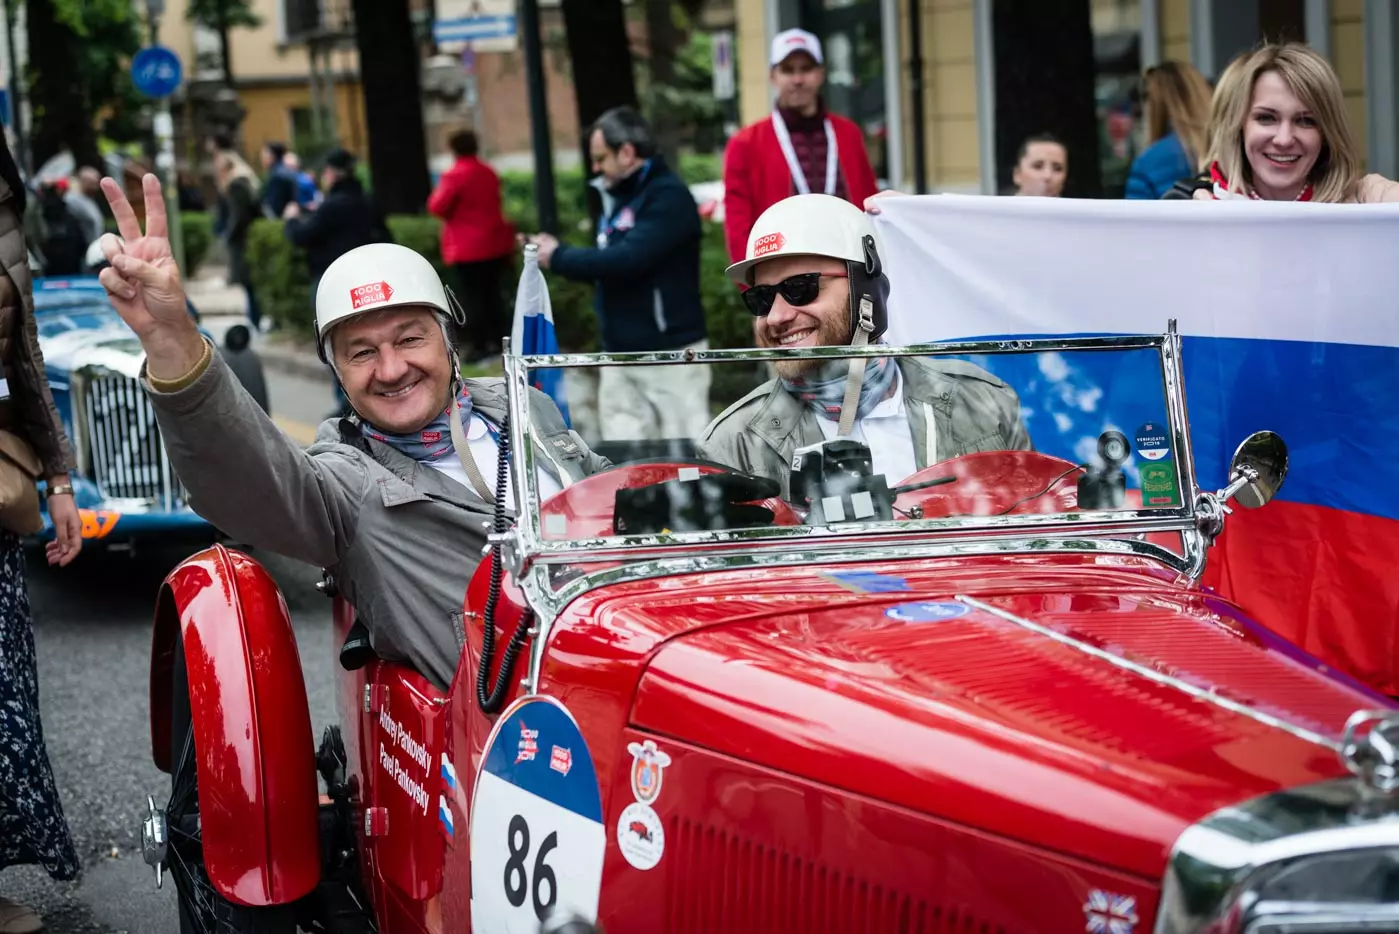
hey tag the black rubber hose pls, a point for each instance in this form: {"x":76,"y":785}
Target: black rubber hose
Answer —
{"x":490,"y":700}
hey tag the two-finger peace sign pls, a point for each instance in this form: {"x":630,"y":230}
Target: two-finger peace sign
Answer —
{"x":143,"y":280}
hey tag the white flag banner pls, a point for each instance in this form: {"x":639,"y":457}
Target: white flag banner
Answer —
{"x":1291,"y":323}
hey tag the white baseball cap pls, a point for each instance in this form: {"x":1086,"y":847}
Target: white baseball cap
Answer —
{"x":794,"y":40}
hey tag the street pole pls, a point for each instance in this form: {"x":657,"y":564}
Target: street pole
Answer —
{"x":164,"y":126}
{"x":539,"y":118}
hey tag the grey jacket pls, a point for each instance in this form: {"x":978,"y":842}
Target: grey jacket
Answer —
{"x":971,"y":409}
{"x":401,"y":538}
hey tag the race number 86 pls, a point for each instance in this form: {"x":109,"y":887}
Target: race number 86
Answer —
{"x":517,"y":883}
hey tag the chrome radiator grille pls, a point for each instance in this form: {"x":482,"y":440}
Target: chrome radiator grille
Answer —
{"x":118,"y":442}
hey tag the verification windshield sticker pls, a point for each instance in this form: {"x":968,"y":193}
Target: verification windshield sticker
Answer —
{"x":1153,"y":443}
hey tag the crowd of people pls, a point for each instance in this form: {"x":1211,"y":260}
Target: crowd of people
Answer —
{"x":798,"y":194}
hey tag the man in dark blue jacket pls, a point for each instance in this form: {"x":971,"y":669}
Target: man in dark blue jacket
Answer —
{"x":345,"y":219}
{"x":645,"y":271}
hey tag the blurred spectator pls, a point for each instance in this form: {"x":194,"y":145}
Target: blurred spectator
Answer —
{"x":279,"y":190}
{"x":477,"y":242}
{"x":1177,"y":101}
{"x":191,"y":198}
{"x":54,"y":232}
{"x":1041,"y":167}
{"x":799,"y":149}
{"x":307,"y":194}
{"x":645,"y":271}
{"x":85,"y":210}
{"x":237,"y":184}
{"x":345,"y":219}
{"x":214,"y":144}
{"x":31,"y":814}
{"x":90,"y":182}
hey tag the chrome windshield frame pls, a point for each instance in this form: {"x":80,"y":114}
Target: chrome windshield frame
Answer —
{"x":527,"y":555}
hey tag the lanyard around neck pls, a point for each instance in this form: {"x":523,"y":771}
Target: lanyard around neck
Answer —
{"x":784,"y":139}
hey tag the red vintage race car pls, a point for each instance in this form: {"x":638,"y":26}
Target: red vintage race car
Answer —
{"x":991,"y":696}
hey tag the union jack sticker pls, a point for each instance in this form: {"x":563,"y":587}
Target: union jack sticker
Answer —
{"x":1110,"y":914}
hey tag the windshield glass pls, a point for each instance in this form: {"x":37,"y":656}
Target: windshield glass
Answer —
{"x":754,"y":446}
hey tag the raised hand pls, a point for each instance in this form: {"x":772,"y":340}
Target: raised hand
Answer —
{"x":143,"y":280}
{"x":144,"y":283}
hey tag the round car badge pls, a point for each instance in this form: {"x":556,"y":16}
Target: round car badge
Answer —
{"x":647,"y":769}
{"x":537,"y":836}
{"x":1153,"y":442}
{"x":927,"y":612}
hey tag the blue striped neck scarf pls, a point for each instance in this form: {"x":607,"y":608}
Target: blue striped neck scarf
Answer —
{"x":824,"y":392}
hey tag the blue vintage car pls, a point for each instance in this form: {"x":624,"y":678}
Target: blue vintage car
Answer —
{"x":126,"y":491}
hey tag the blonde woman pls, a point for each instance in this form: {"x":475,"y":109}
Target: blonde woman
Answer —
{"x":1279,"y":132}
{"x":238,"y":185}
{"x":1177,"y":118}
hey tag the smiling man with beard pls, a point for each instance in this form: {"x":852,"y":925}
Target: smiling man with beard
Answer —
{"x":815,"y":280}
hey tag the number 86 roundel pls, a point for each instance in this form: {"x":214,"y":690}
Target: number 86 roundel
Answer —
{"x":537,"y":837}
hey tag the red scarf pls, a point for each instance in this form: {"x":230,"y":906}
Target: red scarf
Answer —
{"x":1221,"y":187}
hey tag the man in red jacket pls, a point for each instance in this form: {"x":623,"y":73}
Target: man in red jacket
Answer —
{"x":800,"y":149}
{"x":477,"y":242}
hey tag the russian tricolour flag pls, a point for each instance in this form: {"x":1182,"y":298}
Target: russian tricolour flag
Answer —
{"x":533,"y":332}
{"x":1291,"y":324}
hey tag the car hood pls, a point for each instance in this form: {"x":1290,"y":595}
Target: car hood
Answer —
{"x":1085,"y":715}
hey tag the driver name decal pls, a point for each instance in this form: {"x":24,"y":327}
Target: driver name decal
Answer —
{"x":414,"y":749}
{"x":411,"y":787}
{"x":414,"y":752}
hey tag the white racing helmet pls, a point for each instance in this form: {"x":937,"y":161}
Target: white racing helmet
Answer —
{"x":376,"y":277}
{"x":824,"y":225}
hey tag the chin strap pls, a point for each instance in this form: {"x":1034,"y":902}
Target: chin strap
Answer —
{"x":468,"y":463}
{"x":851,"y":406}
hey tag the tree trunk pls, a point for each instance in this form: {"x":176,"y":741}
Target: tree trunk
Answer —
{"x":391,"y":77}
{"x":663,"y":39}
{"x":62,"y":116}
{"x":225,"y":54}
{"x":602,"y":66}
{"x":1045,"y":79}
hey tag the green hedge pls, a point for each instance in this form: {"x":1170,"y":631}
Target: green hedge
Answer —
{"x":197,"y":227}
{"x":280,"y":278}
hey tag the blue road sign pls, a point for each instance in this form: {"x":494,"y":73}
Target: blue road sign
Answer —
{"x":156,"y":71}
{"x":467,"y":28}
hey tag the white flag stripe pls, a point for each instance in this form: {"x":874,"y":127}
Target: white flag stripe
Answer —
{"x":967,"y":265}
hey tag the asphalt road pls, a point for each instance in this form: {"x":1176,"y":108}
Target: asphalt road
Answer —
{"x":92,"y":624}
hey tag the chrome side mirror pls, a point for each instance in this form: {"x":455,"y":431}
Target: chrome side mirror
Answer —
{"x":1255,"y":476}
{"x":1257,"y":471}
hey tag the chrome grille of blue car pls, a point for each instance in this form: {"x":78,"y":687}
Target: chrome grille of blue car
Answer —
{"x":118,"y":441}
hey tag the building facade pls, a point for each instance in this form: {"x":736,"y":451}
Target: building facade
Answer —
{"x":276,"y":88}
{"x":921,"y":75}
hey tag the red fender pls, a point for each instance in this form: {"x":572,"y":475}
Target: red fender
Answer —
{"x":258,"y":797}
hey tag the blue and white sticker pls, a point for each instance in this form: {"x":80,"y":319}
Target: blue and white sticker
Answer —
{"x":537,"y":837}
{"x":1153,"y":441}
{"x":445,"y":819}
{"x":930,"y":611}
{"x":867,"y":581}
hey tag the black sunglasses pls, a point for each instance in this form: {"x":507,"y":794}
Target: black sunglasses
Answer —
{"x":797,"y":290}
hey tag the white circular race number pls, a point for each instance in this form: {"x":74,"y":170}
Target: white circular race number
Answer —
{"x":537,"y":838}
